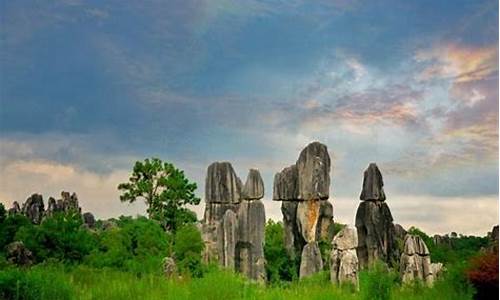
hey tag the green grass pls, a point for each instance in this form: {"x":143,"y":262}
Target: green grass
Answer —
{"x":82,"y":282}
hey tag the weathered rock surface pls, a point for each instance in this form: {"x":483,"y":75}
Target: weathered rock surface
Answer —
{"x":250,"y":246}
{"x":376,"y":236}
{"x":313,"y":167}
{"x":344,"y":264}
{"x":325,"y":221}
{"x":228,"y":239}
{"x":307,"y":219}
{"x":169,"y":267}
{"x":285,"y":187}
{"x":88,"y":220}
{"x":415,"y":262}
{"x":373,"y":184}
{"x":15,"y":209}
{"x":33,"y":208}
{"x":254,"y":186}
{"x":214,"y":212}
{"x":69,"y":202}
{"x":294,"y":242}
{"x":222,"y":185}
{"x":400,"y":232}
{"x":311,"y":261}
{"x":18,"y":254}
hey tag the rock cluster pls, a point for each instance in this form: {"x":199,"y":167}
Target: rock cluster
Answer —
{"x":304,"y":189}
{"x":374,"y":222}
{"x":169,"y":267}
{"x":33,"y":208}
{"x":344,"y":265}
{"x":234,"y":222}
{"x":415,"y":262}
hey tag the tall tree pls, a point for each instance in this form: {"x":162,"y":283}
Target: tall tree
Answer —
{"x":165,"y":190}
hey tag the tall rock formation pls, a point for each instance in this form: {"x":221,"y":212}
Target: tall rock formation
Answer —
{"x":222,"y":193}
{"x":374,"y":222}
{"x":415,"y":262}
{"x":344,"y":264}
{"x":15,"y":209}
{"x":251,"y":227}
{"x":33,"y":208}
{"x":234,"y":223}
{"x":304,"y":189}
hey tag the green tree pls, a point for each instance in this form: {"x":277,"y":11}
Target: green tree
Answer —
{"x":166,"y":191}
{"x":279,"y":266}
{"x":187,"y":249}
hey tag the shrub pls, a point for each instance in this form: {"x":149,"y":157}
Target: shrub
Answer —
{"x":10,"y":226}
{"x":279,"y":265}
{"x":377,"y":283}
{"x":483,"y":274}
{"x":187,"y":250}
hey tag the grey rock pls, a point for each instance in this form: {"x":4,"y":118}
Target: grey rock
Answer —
{"x":344,"y":264}
{"x":494,"y":233}
{"x":221,"y":184}
{"x":376,"y":234}
{"x":285,"y":187}
{"x":415,"y":262}
{"x":437,"y":270}
{"x":250,"y":246}
{"x":325,"y":221}
{"x":69,"y":202}
{"x":89,"y":220}
{"x":254,"y":186}
{"x":169,"y":267}
{"x":313,"y":167}
{"x":18,"y":254}
{"x":373,"y":184}
{"x":228,"y":239}
{"x":400,"y":232}
{"x":214,"y":212}
{"x":311,"y":261}
{"x":307,"y":219}
{"x":346,"y":239}
{"x":109,"y":225}
{"x":15,"y":209}
{"x":33,"y":208}
{"x":294,"y":242}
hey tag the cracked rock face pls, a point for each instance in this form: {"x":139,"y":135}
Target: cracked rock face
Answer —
{"x":254,"y":186}
{"x":415,"y":262}
{"x":373,"y":184}
{"x":313,"y":167}
{"x":15,"y":209}
{"x":294,"y":242}
{"x":344,"y":264}
{"x":33,"y":208}
{"x":221,"y":184}
{"x":228,"y":239}
{"x":310,"y":261}
{"x":286,"y":184}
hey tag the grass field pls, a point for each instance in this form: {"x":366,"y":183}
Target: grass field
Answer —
{"x":81,"y":282}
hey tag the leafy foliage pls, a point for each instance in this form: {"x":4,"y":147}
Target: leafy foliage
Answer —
{"x":483,"y":274}
{"x":187,"y":250}
{"x":10,"y":226}
{"x":61,"y":237}
{"x":377,"y":283}
{"x":279,"y":266}
{"x":165,"y":189}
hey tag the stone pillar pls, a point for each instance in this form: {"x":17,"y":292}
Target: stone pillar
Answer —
{"x":344,"y":265}
{"x":374,"y":222}
{"x":415,"y":262}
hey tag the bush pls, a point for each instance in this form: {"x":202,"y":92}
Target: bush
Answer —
{"x":60,"y":236}
{"x":187,"y":250}
{"x":279,"y":265}
{"x":10,"y":226}
{"x":137,"y":245}
{"x":377,"y":283}
{"x":483,"y":274}
{"x":33,"y":284}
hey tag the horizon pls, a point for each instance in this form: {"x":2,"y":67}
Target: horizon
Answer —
{"x":87,"y":89}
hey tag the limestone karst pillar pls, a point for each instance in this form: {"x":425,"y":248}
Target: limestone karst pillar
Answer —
{"x":304,"y":189}
{"x":374,"y":222}
{"x":222,"y":193}
{"x":251,"y":228}
{"x":415,"y":262}
{"x":344,"y":265}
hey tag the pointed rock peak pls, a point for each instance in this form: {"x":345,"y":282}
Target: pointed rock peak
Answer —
{"x":373,"y":184}
{"x":254,"y":186}
{"x":313,"y":168}
{"x":222,"y":185}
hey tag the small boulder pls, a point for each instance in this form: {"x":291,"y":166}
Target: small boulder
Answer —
{"x":15,"y":209}
{"x":18,"y":254}
{"x":344,"y":264}
{"x":311,"y":261}
{"x":88,"y":220}
{"x":169,"y":267}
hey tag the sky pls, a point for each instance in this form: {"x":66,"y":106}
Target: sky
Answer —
{"x":89,"y":87}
